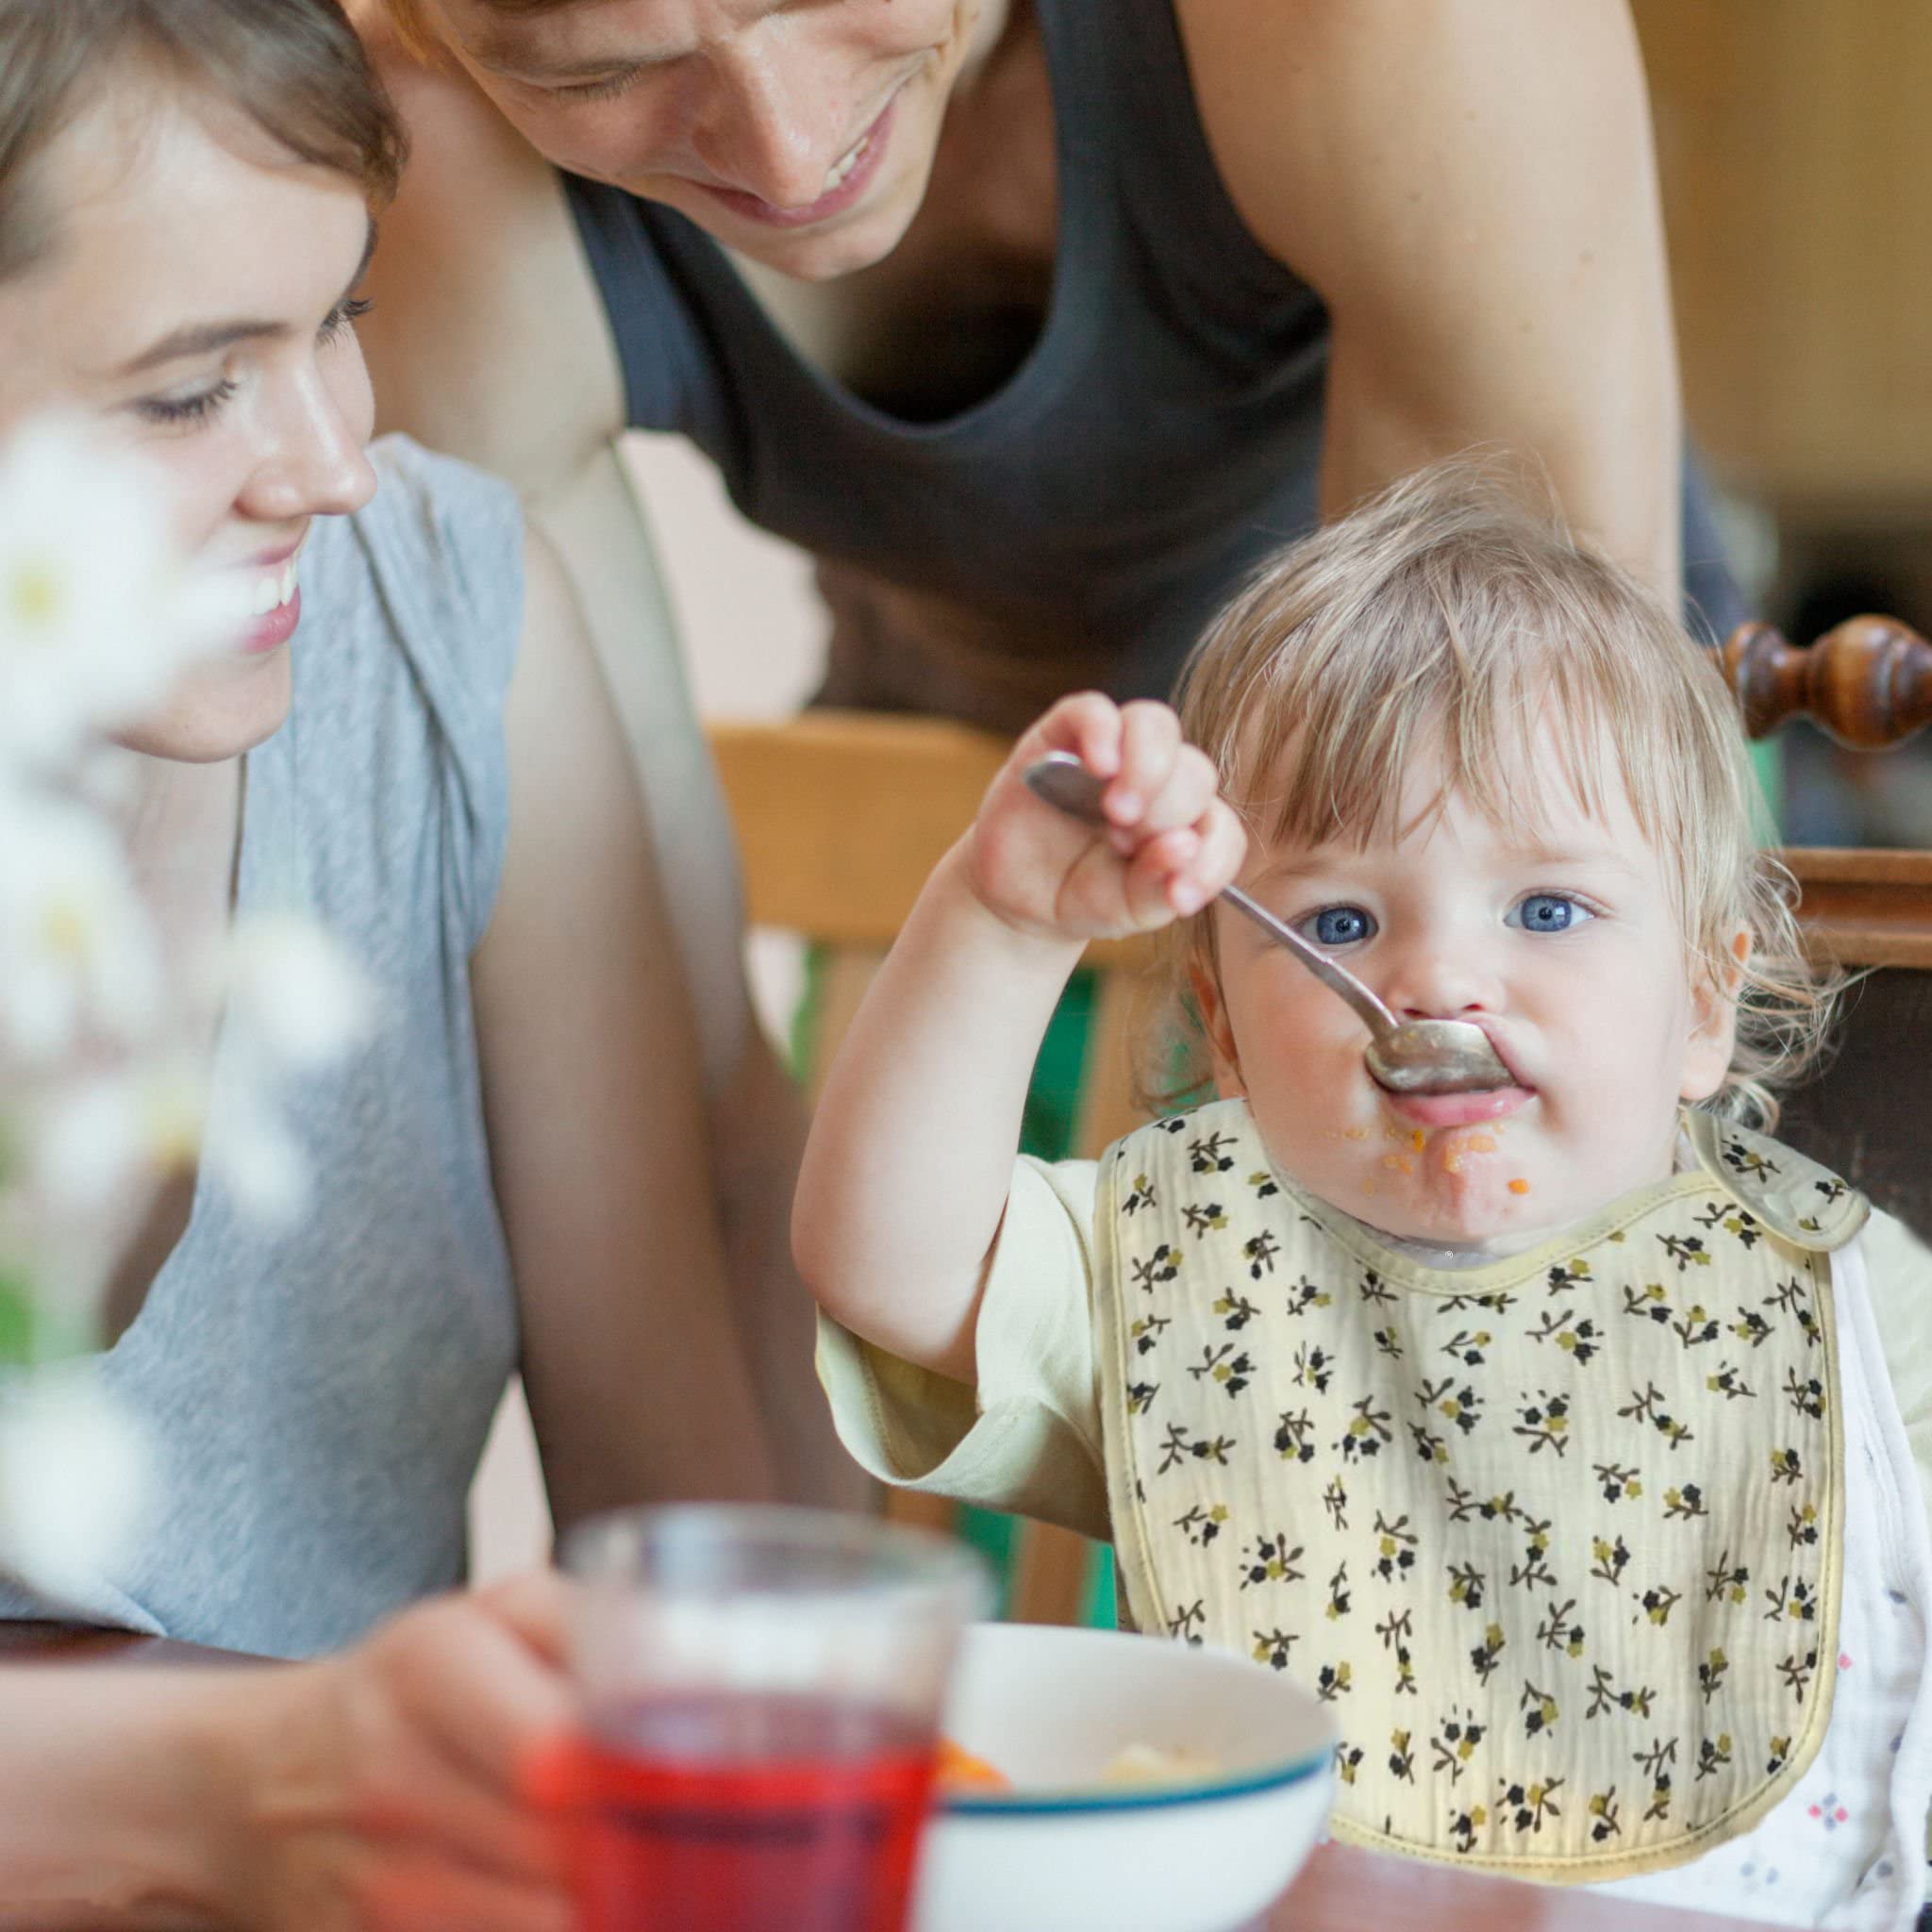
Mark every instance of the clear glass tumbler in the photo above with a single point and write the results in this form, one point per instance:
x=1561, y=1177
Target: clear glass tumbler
x=761, y=1690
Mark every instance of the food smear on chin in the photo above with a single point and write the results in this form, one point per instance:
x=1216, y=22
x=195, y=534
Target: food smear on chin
x=1519, y=1186
x=1459, y=1142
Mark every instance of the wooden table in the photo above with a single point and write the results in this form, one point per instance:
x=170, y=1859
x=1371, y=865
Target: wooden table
x=1341, y=1890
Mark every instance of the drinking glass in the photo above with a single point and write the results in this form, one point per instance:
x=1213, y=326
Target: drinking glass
x=761, y=1694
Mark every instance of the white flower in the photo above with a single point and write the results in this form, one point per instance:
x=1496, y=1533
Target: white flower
x=98, y=1135
x=253, y=1155
x=97, y=614
x=106, y=777
x=74, y=1480
x=294, y=993
x=74, y=938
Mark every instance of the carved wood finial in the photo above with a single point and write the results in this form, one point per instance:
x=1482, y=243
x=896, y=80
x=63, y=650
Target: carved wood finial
x=1867, y=683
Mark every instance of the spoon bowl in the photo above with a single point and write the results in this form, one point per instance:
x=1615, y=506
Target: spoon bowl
x=1403, y=1056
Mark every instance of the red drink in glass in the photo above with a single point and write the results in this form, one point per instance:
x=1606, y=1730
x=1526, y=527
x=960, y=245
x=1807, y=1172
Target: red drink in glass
x=734, y=1811
x=759, y=1689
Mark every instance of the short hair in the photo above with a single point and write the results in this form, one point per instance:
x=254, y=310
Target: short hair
x=1451, y=616
x=295, y=66
x=406, y=19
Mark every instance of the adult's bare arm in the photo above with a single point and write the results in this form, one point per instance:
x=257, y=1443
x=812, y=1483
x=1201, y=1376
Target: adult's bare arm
x=1470, y=186
x=489, y=341
x=637, y=1372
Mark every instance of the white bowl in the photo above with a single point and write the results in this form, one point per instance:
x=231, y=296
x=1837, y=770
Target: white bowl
x=1060, y=1853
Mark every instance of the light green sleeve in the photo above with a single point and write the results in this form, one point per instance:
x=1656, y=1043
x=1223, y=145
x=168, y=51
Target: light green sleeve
x=1898, y=1267
x=1027, y=1438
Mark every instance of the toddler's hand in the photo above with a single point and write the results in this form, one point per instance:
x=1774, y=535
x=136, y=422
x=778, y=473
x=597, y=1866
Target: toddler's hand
x=1170, y=844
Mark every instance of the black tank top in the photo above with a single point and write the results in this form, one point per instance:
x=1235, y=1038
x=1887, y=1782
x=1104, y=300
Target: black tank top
x=1078, y=525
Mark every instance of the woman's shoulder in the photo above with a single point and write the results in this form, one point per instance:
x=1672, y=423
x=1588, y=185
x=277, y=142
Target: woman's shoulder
x=436, y=501
x=432, y=564
x=488, y=335
x=413, y=612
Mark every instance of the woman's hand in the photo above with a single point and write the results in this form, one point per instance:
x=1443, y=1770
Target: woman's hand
x=1171, y=844
x=378, y=1790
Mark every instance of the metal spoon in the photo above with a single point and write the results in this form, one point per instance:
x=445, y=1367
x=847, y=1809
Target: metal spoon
x=1407, y=1057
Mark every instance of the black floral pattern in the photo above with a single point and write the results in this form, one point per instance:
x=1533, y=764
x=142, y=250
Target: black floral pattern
x=1412, y=1537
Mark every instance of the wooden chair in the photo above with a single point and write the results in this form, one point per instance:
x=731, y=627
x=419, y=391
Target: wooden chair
x=840, y=817
x=1868, y=684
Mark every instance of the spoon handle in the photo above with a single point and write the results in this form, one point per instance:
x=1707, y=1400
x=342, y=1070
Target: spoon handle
x=1064, y=782
x=1373, y=1014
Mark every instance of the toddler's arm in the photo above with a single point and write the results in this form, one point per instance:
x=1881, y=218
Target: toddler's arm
x=905, y=1173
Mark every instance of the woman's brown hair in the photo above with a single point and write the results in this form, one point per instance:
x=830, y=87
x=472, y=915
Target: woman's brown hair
x=293, y=66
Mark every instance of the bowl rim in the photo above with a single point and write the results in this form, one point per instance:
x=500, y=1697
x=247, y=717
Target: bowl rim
x=1060, y=1801
x=1034, y=1800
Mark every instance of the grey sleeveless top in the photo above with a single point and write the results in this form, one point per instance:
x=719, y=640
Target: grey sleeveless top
x=1080, y=524
x=317, y=1399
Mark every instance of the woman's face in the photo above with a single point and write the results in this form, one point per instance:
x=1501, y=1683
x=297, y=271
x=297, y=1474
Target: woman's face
x=194, y=304
x=799, y=133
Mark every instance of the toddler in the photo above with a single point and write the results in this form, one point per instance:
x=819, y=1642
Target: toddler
x=1555, y=1435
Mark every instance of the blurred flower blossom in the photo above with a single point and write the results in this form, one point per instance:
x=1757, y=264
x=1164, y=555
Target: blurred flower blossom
x=147, y=1119
x=74, y=1478
x=250, y=1152
x=294, y=993
x=77, y=947
x=97, y=614
x=100, y=1095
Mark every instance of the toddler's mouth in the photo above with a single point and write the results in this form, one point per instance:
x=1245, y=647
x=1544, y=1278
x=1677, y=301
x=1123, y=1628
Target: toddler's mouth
x=1458, y=1109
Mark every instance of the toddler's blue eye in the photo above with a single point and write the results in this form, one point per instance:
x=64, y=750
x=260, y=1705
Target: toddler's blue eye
x=1549, y=912
x=1341, y=926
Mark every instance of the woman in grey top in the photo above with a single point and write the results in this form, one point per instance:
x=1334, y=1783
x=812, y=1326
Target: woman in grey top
x=414, y=746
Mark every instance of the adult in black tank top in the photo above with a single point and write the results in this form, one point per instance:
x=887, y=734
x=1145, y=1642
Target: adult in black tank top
x=1037, y=322
x=1041, y=319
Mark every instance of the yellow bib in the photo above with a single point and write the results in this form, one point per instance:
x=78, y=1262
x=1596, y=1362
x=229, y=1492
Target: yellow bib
x=1557, y=1537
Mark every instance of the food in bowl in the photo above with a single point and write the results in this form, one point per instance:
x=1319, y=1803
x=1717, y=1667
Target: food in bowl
x=1148, y=1764
x=1244, y=1759
x=960, y=1769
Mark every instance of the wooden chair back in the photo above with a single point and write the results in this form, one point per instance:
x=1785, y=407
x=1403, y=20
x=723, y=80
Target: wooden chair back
x=841, y=816
x=1868, y=684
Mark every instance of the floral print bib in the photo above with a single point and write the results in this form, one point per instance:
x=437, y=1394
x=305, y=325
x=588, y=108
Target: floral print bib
x=1558, y=1536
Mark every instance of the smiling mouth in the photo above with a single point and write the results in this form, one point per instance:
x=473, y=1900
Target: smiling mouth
x=842, y=168
x=272, y=589
x=846, y=181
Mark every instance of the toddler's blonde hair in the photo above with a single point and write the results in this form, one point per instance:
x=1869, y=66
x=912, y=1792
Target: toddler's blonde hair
x=1449, y=618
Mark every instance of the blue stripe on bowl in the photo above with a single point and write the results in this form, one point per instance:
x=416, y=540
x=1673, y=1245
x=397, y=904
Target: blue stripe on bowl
x=1134, y=1797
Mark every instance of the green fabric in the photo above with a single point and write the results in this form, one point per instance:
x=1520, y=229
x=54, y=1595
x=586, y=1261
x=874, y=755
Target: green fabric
x=1767, y=757
x=1046, y=1131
